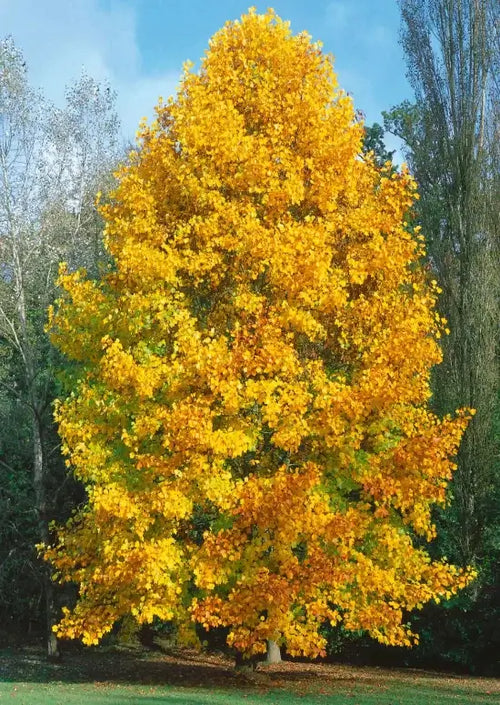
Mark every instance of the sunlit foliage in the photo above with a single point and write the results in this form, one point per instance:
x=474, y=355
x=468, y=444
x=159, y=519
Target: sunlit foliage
x=250, y=417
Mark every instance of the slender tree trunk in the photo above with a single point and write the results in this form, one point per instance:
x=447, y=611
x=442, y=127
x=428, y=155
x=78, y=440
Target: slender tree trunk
x=43, y=530
x=53, y=653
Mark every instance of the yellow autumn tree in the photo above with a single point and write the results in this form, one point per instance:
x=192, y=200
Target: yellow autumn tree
x=250, y=415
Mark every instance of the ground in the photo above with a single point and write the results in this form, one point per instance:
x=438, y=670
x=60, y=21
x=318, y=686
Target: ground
x=100, y=676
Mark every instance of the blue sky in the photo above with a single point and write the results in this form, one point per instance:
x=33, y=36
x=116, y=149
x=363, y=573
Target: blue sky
x=139, y=46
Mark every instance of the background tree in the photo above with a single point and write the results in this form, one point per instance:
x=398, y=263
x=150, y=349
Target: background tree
x=451, y=144
x=374, y=142
x=51, y=162
x=259, y=354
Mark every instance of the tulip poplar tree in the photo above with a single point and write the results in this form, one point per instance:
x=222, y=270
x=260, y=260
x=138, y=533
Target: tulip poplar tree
x=249, y=412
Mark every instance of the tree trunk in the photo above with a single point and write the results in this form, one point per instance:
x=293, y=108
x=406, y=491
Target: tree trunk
x=53, y=653
x=244, y=664
x=43, y=530
x=273, y=652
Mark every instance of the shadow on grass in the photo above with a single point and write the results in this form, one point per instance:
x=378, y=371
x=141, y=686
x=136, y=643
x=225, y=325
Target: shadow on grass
x=133, y=676
x=175, y=668
x=125, y=667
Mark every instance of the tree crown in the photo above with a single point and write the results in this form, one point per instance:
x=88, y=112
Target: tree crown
x=251, y=419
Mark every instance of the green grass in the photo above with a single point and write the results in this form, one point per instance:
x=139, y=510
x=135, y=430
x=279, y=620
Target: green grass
x=100, y=678
x=110, y=693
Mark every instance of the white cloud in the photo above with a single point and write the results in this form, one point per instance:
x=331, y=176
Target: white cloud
x=60, y=38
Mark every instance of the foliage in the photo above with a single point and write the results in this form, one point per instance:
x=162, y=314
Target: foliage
x=51, y=162
x=261, y=349
x=20, y=584
x=374, y=142
x=451, y=144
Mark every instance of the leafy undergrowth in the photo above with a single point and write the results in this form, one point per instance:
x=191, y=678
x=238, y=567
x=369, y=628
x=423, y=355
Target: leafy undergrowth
x=98, y=677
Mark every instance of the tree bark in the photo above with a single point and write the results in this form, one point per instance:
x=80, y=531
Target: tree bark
x=43, y=530
x=273, y=652
x=243, y=664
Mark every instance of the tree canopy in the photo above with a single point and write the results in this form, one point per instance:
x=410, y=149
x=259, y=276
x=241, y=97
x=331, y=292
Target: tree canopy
x=251, y=409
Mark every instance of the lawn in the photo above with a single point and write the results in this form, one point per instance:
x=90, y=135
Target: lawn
x=97, y=677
